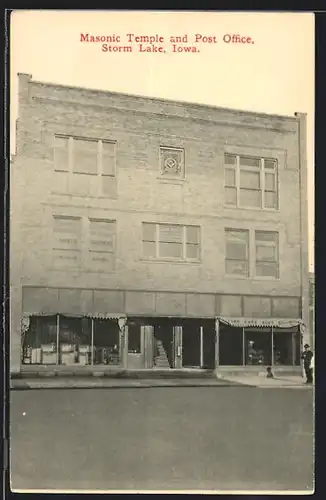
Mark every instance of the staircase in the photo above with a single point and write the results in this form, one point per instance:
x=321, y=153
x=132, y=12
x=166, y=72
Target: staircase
x=161, y=360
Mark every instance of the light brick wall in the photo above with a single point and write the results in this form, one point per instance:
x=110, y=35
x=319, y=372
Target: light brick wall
x=140, y=126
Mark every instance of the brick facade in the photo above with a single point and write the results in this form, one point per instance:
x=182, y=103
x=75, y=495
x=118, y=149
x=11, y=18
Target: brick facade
x=139, y=127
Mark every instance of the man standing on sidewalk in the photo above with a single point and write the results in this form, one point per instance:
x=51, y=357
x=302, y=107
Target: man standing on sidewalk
x=307, y=356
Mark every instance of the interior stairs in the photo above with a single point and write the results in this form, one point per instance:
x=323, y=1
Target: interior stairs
x=161, y=360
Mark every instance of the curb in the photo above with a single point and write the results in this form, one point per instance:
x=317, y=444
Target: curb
x=128, y=385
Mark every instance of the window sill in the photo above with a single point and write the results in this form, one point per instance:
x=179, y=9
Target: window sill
x=252, y=278
x=170, y=261
x=252, y=209
x=76, y=195
x=80, y=271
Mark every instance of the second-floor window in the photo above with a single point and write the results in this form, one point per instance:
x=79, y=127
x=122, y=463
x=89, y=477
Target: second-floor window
x=171, y=241
x=252, y=253
x=237, y=252
x=250, y=182
x=85, y=167
x=81, y=243
x=266, y=251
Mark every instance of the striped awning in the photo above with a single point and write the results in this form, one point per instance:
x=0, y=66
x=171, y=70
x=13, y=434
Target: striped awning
x=261, y=322
x=26, y=317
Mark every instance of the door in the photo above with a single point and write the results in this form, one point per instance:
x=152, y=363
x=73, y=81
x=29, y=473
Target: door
x=177, y=347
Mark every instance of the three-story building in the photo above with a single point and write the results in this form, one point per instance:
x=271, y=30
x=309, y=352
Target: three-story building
x=148, y=234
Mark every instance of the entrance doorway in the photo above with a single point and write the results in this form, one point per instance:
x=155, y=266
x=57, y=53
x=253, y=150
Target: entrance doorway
x=198, y=343
x=192, y=345
x=172, y=343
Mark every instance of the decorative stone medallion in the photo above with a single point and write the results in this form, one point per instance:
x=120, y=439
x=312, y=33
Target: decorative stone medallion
x=172, y=162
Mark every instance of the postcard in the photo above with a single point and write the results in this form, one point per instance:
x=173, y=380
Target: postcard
x=162, y=251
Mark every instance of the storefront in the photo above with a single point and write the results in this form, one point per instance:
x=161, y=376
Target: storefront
x=244, y=342
x=73, y=341
x=115, y=341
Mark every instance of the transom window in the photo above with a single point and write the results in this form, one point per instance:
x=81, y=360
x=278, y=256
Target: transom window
x=250, y=182
x=171, y=241
x=85, y=167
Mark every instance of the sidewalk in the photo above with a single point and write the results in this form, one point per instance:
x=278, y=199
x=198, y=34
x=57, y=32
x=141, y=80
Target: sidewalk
x=114, y=383
x=261, y=381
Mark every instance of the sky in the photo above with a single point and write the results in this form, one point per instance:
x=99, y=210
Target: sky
x=271, y=72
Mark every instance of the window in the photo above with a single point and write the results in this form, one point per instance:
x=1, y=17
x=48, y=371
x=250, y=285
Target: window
x=63, y=340
x=106, y=342
x=171, y=241
x=172, y=163
x=237, y=252
x=101, y=244
x=262, y=245
x=84, y=166
x=266, y=243
x=134, y=343
x=250, y=182
x=93, y=248
x=66, y=245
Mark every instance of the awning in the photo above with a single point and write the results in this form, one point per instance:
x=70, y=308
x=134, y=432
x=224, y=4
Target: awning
x=26, y=317
x=261, y=322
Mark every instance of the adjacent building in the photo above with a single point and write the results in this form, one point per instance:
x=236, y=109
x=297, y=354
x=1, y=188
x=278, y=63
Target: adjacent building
x=151, y=234
x=312, y=307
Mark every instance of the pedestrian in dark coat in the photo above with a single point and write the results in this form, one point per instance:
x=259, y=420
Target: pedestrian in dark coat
x=307, y=356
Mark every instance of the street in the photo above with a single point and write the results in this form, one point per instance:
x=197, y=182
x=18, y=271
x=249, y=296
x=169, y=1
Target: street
x=215, y=438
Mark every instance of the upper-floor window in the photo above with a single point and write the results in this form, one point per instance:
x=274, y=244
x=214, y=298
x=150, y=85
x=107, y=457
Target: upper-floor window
x=172, y=165
x=250, y=182
x=237, y=252
x=266, y=251
x=252, y=253
x=171, y=241
x=67, y=233
x=84, y=166
x=101, y=244
x=83, y=243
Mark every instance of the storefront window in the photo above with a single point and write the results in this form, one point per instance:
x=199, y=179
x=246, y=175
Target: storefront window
x=286, y=346
x=230, y=346
x=42, y=333
x=74, y=340
x=106, y=342
x=75, y=344
x=134, y=346
x=258, y=346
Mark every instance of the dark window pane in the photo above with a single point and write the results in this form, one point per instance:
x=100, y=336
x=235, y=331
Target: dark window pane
x=250, y=161
x=134, y=345
x=106, y=342
x=266, y=236
x=230, y=159
x=267, y=269
x=258, y=347
x=237, y=267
